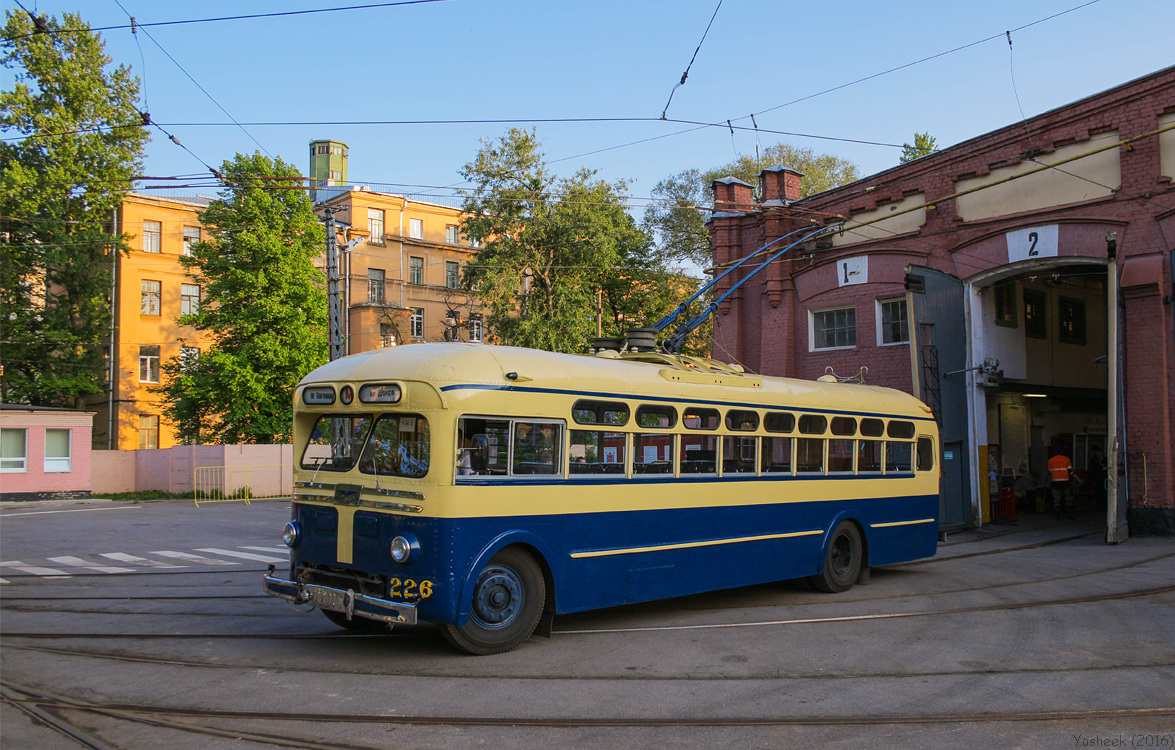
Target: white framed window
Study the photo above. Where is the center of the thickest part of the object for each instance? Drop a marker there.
(191, 234)
(474, 243)
(336, 176)
(475, 327)
(149, 363)
(148, 431)
(893, 325)
(451, 234)
(152, 236)
(58, 459)
(418, 322)
(189, 299)
(387, 335)
(375, 226)
(189, 355)
(14, 451)
(415, 270)
(835, 328)
(375, 285)
(149, 303)
(416, 229)
(452, 274)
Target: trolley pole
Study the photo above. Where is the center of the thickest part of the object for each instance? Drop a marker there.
(334, 297)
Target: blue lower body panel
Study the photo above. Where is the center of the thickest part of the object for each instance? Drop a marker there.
(605, 559)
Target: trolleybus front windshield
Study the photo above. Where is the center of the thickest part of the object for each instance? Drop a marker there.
(335, 442)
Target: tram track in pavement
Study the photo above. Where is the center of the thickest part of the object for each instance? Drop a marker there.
(424, 632)
(137, 712)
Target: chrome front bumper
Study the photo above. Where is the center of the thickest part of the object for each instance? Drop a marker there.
(339, 600)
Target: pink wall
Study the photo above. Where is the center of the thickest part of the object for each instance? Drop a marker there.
(34, 479)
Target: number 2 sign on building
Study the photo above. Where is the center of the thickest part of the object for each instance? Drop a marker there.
(1032, 242)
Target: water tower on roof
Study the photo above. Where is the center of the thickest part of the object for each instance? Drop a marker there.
(328, 163)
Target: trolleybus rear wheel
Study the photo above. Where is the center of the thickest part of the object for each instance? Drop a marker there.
(507, 603)
(842, 561)
(356, 624)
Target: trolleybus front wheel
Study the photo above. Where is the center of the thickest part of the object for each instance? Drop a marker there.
(507, 604)
(842, 561)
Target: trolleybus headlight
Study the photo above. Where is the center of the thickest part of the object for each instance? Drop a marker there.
(404, 547)
(292, 534)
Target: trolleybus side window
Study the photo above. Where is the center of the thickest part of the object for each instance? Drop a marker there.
(699, 453)
(648, 415)
(810, 451)
(869, 455)
(700, 419)
(738, 454)
(652, 453)
(871, 427)
(898, 429)
(741, 420)
(779, 421)
(898, 456)
(335, 442)
(600, 412)
(484, 446)
(844, 426)
(777, 455)
(840, 454)
(925, 454)
(537, 447)
(597, 452)
(399, 447)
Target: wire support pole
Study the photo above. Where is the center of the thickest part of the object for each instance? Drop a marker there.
(334, 296)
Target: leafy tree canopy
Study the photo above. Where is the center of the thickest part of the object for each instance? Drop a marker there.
(60, 185)
(550, 243)
(678, 217)
(263, 306)
(923, 144)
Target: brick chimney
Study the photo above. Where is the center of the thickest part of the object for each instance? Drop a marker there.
(731, 195)
(780, 184)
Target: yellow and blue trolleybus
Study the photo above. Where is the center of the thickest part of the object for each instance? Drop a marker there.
(488, 488)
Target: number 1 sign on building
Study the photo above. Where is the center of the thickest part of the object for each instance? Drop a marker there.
(1032, 242)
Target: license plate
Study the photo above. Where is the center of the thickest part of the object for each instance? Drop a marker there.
(328, 599)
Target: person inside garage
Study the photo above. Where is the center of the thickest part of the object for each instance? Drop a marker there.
(1060, 482)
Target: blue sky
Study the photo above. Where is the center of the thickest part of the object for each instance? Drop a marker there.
(507, 59)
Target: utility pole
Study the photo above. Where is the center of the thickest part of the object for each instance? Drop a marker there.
(334, 298)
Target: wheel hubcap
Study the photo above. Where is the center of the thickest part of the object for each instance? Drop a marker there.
(497, 598)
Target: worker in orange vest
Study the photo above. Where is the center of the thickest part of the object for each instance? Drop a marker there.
(1060, 482)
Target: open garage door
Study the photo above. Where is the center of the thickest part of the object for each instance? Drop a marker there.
(938, 345)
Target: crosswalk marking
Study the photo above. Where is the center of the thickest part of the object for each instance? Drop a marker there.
(140, 561)
(78, 562)
(242, 555)
(33, 570)
(192, 558)
(137, 563)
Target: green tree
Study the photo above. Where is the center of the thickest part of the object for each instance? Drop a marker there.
(549, 244)
(263, 306)
(678, 217)
(81, 142)
(923, 144)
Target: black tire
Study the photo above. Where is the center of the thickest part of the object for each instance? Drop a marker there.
(842, 560)
(508, 601)
(357, 624)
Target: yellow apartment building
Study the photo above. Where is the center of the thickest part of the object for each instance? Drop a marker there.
(151, 291)
(401, 284)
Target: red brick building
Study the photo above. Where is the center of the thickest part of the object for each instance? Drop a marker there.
(1020, 283)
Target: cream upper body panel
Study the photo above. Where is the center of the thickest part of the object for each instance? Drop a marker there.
(458, 367)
